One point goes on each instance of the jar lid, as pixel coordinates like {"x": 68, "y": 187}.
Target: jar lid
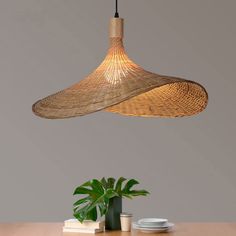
{"x": 125, "y": 214}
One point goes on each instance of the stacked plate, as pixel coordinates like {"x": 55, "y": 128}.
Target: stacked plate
{"x": 153, "y": 225}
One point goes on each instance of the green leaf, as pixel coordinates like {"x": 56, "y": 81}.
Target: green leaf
{"x": 119, "y": 185}
{"x": 81, "y": 214}
{"x": 103, "y": 207}
{"x": 82, "y": 201}
{"x": 103, "y": 198}
{"x": 126, "y": 195}
{"x": 110, "y": 193}
{"x": 82, "y": 190}
{"x": 92, "y": 215}
{"x": 104, "y": 182}
{"x": 135, "y": 193}
{"x": 110, "y": 182}
{"x": 96, "y": 201}
{"x": 129, "y": 185}
{"x": 97, "y": 186}
{"x": 86, "y": 184}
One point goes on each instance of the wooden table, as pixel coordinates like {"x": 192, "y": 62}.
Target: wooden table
{"x": 181, "y": 229}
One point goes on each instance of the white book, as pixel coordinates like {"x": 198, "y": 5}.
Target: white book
{"x": 75, "y": 224}
{"x": 82, "y": 230}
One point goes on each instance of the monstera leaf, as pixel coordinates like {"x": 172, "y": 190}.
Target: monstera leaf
{"x": 98, "y": 197}
{"x": 127, "y": 192}
{"x": 98, "y": 193}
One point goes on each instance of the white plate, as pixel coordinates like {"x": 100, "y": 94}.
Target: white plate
{"x": 152, "y": 221}
{"x": 154, "y": 231}
{"x": 166, "y": 225}
{"x": 166, "y": 228}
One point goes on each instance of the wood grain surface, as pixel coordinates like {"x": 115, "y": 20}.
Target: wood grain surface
{"x": 181, "y": 229}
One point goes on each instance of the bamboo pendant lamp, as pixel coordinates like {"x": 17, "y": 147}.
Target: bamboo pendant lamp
{"x": 119, "y": 85}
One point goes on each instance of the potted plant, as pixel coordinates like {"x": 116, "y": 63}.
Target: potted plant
{"x": 104, "y": 197}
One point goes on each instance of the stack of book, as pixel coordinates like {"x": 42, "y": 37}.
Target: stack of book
{"x": 88, "y": 226}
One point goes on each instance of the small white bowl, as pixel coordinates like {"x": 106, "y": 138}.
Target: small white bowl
{"x": 152, "y": 221}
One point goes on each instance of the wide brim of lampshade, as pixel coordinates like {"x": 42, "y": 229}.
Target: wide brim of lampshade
{"x": 153, "y": 96}
{"x": 177, "y": 99}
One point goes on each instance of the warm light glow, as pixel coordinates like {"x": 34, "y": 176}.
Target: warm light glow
{"x": 117, "y": 65}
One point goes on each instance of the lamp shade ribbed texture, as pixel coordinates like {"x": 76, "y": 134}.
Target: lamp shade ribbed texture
{"x": 119, "y": 85}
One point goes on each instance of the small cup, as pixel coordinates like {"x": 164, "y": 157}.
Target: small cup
{"x": 126, "y": 221}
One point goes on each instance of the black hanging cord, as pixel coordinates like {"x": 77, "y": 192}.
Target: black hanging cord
{"x": 116, "y": 14}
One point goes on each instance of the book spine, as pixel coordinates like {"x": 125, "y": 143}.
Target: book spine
{"x": 79, "y": 225}
{"x": 89, "y": 231}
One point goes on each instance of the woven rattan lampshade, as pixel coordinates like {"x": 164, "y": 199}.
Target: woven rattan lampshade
{"x": 119, "y": 85}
